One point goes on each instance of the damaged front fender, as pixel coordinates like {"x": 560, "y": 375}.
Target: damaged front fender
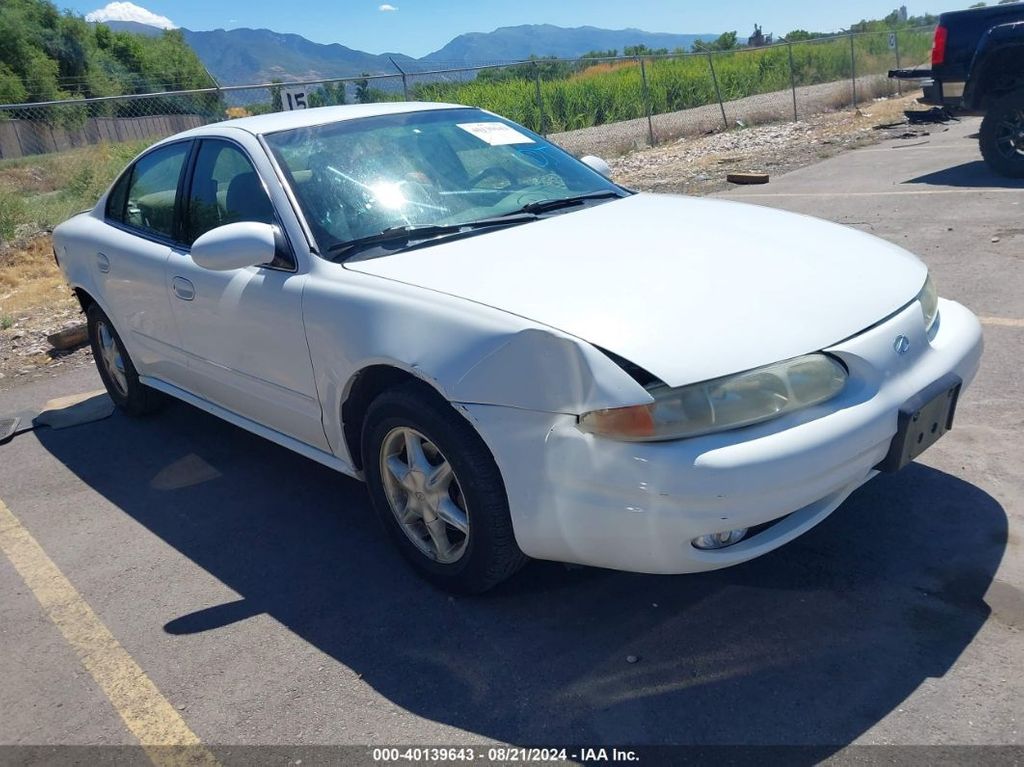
{"x": 536, "y": 369}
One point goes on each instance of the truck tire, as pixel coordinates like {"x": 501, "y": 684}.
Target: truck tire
{"x": 1002, "y": 135}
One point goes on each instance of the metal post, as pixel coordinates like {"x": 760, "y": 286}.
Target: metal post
{"x": 853, "y": 70}
{"x": 647, "y": 101}
{"x": 899, "y": 83}
{"x": 792, "y": 81}
{"x": 405, "y": 83}
{"x": 718, "y": 91}
{"x": 540, "y": 99}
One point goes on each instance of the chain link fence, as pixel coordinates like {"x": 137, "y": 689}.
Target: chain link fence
{"x": 605, "y": 106}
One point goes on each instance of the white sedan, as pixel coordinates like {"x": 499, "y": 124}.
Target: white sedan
{"x": 520, "y": 358}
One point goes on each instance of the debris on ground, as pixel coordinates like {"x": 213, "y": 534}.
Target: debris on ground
{"x": 692, "y": 165}
{"x": 69, "y": 338}
{"x": 933, "y": 115}
{"x": 747, "y": 178}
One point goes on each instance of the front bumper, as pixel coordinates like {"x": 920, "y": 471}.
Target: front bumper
{"x": 579, "y": 498}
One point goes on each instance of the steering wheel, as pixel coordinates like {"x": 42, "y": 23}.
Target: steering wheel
{"x": 492, "y": 170}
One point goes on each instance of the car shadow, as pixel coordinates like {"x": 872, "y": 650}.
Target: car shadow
{"x": 813, "y": 644}
{"x": 969, "y": 174}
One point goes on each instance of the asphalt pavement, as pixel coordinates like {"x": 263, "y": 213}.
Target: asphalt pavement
{"x": 256, "y": 595}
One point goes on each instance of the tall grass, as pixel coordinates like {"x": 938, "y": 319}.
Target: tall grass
{"x": 40, "y": 191}
{"x": 607, "y": 93}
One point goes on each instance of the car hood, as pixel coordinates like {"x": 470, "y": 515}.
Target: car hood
{"x": 687, "y": 288}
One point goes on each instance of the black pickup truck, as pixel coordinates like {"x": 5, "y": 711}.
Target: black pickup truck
{"x": 978, "y": 69}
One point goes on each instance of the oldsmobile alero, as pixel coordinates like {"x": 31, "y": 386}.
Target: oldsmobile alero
{"x": 520, "y": 357}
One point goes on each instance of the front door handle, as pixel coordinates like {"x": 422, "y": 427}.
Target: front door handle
{"x": 183, "y": 289}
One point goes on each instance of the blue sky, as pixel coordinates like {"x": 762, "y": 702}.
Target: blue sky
{"x": 417, "y": 27}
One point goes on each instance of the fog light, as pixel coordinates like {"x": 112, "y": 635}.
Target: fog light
{"x": 719, "y": 540}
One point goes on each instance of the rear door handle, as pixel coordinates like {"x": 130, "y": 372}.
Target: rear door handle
{"x": 183, "y": 289}
{"x": 102, "y": 263}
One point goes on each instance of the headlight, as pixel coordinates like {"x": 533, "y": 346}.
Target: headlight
{"x": 723, "y": 403}
{"x": 929, "y": 298}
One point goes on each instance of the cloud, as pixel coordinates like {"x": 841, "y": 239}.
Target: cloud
{"x": 129, "y": 12}
{"x": 387, "y": 8}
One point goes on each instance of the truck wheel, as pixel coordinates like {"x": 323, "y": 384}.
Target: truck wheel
{"x": 1002, "y": 136}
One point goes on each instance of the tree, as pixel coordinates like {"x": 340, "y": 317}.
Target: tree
{"x": 799, "y": 35}
{"x": 725, "y": 42}
{"x": 643, "y": 50}
{"x": 366, "y": 94}
{"x": 362, "y": 90}
{"x": 276, "y": 102}
{"x": 547, "y": 68}
{"x": 611, "y": 53}
{"x": 57, "y": 55}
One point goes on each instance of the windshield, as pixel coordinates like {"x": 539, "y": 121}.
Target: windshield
{"x": 355, "y": 179}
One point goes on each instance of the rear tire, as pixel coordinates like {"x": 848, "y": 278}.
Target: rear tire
{"x": 116, "y": 368}
{"x": 1002, "y": 136}
{"x": 456, "y": 531}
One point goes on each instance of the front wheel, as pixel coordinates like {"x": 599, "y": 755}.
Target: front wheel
{"x": 1002, "y": 136}
{"x": 438, "y": 492}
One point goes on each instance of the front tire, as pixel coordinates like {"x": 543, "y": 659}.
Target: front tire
{"x": 438, "y": 492}
{"x": 1002, "y": 136}
{"x": 116, "y": 368}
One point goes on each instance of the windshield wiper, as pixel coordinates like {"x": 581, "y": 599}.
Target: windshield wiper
{"x": 546, "y": 206}
{"x": 403, "y": 236}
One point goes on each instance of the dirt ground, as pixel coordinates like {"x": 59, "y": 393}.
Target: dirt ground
{"x": 700, "y": 165}
{"x": 35, "y": 302}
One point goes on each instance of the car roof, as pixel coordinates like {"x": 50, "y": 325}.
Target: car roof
{"x": 304, "y": 118}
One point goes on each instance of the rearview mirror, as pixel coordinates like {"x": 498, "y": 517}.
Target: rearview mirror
{"x": 596, "y": 163}
{"x": 235, "y": 246}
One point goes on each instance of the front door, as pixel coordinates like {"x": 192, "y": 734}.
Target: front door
{"x": 241, "y": 330}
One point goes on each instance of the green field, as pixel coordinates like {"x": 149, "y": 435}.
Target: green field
{"x": 40, "y": 191}
{"x": 611, "y": 92}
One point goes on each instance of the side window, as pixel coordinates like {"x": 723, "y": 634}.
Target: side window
{"x": 118, "y": 197}
{"x": 153, "y": 188}
{"x": 225, "y": 190}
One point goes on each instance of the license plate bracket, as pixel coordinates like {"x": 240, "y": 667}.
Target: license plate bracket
{"x": 923, "y": 419}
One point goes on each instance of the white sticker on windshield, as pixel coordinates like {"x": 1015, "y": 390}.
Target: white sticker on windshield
{"x": 496, "y": 134}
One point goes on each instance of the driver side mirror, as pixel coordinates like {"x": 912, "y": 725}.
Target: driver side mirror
{"x": 596, "y": 163}
{"x": 235, "y": 246}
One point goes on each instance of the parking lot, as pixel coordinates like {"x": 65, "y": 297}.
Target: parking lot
{"x": 251, "y": 598}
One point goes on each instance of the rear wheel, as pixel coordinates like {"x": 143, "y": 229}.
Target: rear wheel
{"x": 438, "y": 492}
{"x": 116, "y": 369}
{"x": 1002, "y": 135}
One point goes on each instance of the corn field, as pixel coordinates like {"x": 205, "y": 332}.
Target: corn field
{"x": 609, "y": 104}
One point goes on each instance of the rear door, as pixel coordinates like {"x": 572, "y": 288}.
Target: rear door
{"x": 241, "y": 330}
{"x": 130, "y": 262}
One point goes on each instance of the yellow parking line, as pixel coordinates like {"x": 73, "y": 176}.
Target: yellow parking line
{"x": 168, "y": 741}
{"x": 1006, "y": 322}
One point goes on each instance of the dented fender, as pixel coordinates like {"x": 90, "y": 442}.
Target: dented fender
{"x": 468, "y": 352}
{"x": 539, "y": 369}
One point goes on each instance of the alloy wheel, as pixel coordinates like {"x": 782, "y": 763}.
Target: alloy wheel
{"x": 424, "y": 495}
{"x": 111, "y": 358}
{"x": 1010, "y": 134}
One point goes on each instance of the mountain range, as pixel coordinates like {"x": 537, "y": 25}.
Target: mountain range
{"x": 239, "y": 56}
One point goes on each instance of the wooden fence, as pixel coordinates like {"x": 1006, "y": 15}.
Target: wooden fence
{"x": 21, "y": 138}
